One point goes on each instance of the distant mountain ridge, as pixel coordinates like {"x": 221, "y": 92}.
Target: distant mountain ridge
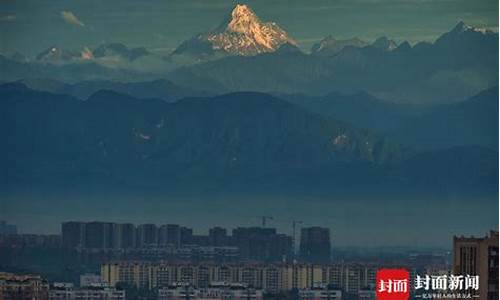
{"x": 241, "y": 128}
{"x": 330, "y": 46}
{"x": 472, "y": 121}
{"x": 245, "y": 139}
{"x": 246, "y": 54}
{"x": 160, "y": 88}
{"x": 107, "y": 51}
{"x": 457, "y": 65}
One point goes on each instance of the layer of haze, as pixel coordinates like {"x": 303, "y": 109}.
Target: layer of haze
{"x": 367, "y": 221}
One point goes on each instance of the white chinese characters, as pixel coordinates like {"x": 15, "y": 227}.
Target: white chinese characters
{"x": 393, "y": 286}
{"x": 447, "y": 282}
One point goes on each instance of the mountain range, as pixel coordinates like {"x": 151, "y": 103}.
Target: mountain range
{"x": 330, "y": 46}
{"x": 236, "y": 128}
{"x": 457, "y": 65}
{"x": 248, "y": 138}
{"x": 244, "y": 53}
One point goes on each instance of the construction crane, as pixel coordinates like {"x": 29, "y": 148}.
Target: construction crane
{"x": 265, "y": 219}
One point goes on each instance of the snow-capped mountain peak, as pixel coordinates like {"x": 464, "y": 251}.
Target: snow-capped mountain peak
{"x": 242, "y": 33}
{"x": 242, "y": 19}
{"x": 462, "y": 27}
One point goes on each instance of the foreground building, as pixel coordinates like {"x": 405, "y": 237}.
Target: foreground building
{"x": 270, "y": 278}
{"x": 478, "y": 256}
{"x": 221, "y": 290}
{"x": 366, "y": 294}
{"x": 320, "y": 292}
{"x": 66, "y": 291}
{"x": 23, "y": 287}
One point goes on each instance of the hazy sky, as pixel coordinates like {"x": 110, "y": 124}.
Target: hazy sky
{"x": 30, "y": 26}
{"x": 368, "y": 220}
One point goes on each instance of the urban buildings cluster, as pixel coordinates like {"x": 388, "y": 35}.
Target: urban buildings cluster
{"x": 46, "y": 241}
{"x": 258, "y": 262}
{"x": 216, "y": 290}
{"x": 67, "y": 291}
{"x": 171, "y": 240}
{"x": 237, "y": 291}
{"x": 271, "y": 278}
{"x": 31, "y": 287}
{"x": 23, "y": 287}
{"x": 6, "y": 228}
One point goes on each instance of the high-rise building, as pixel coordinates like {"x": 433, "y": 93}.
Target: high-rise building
{"x": 315, "y": 245}
{"x": 478, "y": 256}
{"x": 173, "y": 235}
{"x": 125, "y": 236}
{"x": 218, "y": 236}
{"x": 162, "y": 235}
{"x": 262, "y": 244}
{"x": 281, "y": 248}
{"x": 73, "y": 234}
{"x": 99, "y": 235}
{"x": 147, "y": 235}
{"x": 186, "y": 236}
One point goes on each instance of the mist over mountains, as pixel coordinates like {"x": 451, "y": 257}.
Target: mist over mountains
{"x": 239, "y": 109}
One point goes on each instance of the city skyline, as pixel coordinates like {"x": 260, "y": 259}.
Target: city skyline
{"x": 12, "y": 229}
{"x": 35, "y": 217}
